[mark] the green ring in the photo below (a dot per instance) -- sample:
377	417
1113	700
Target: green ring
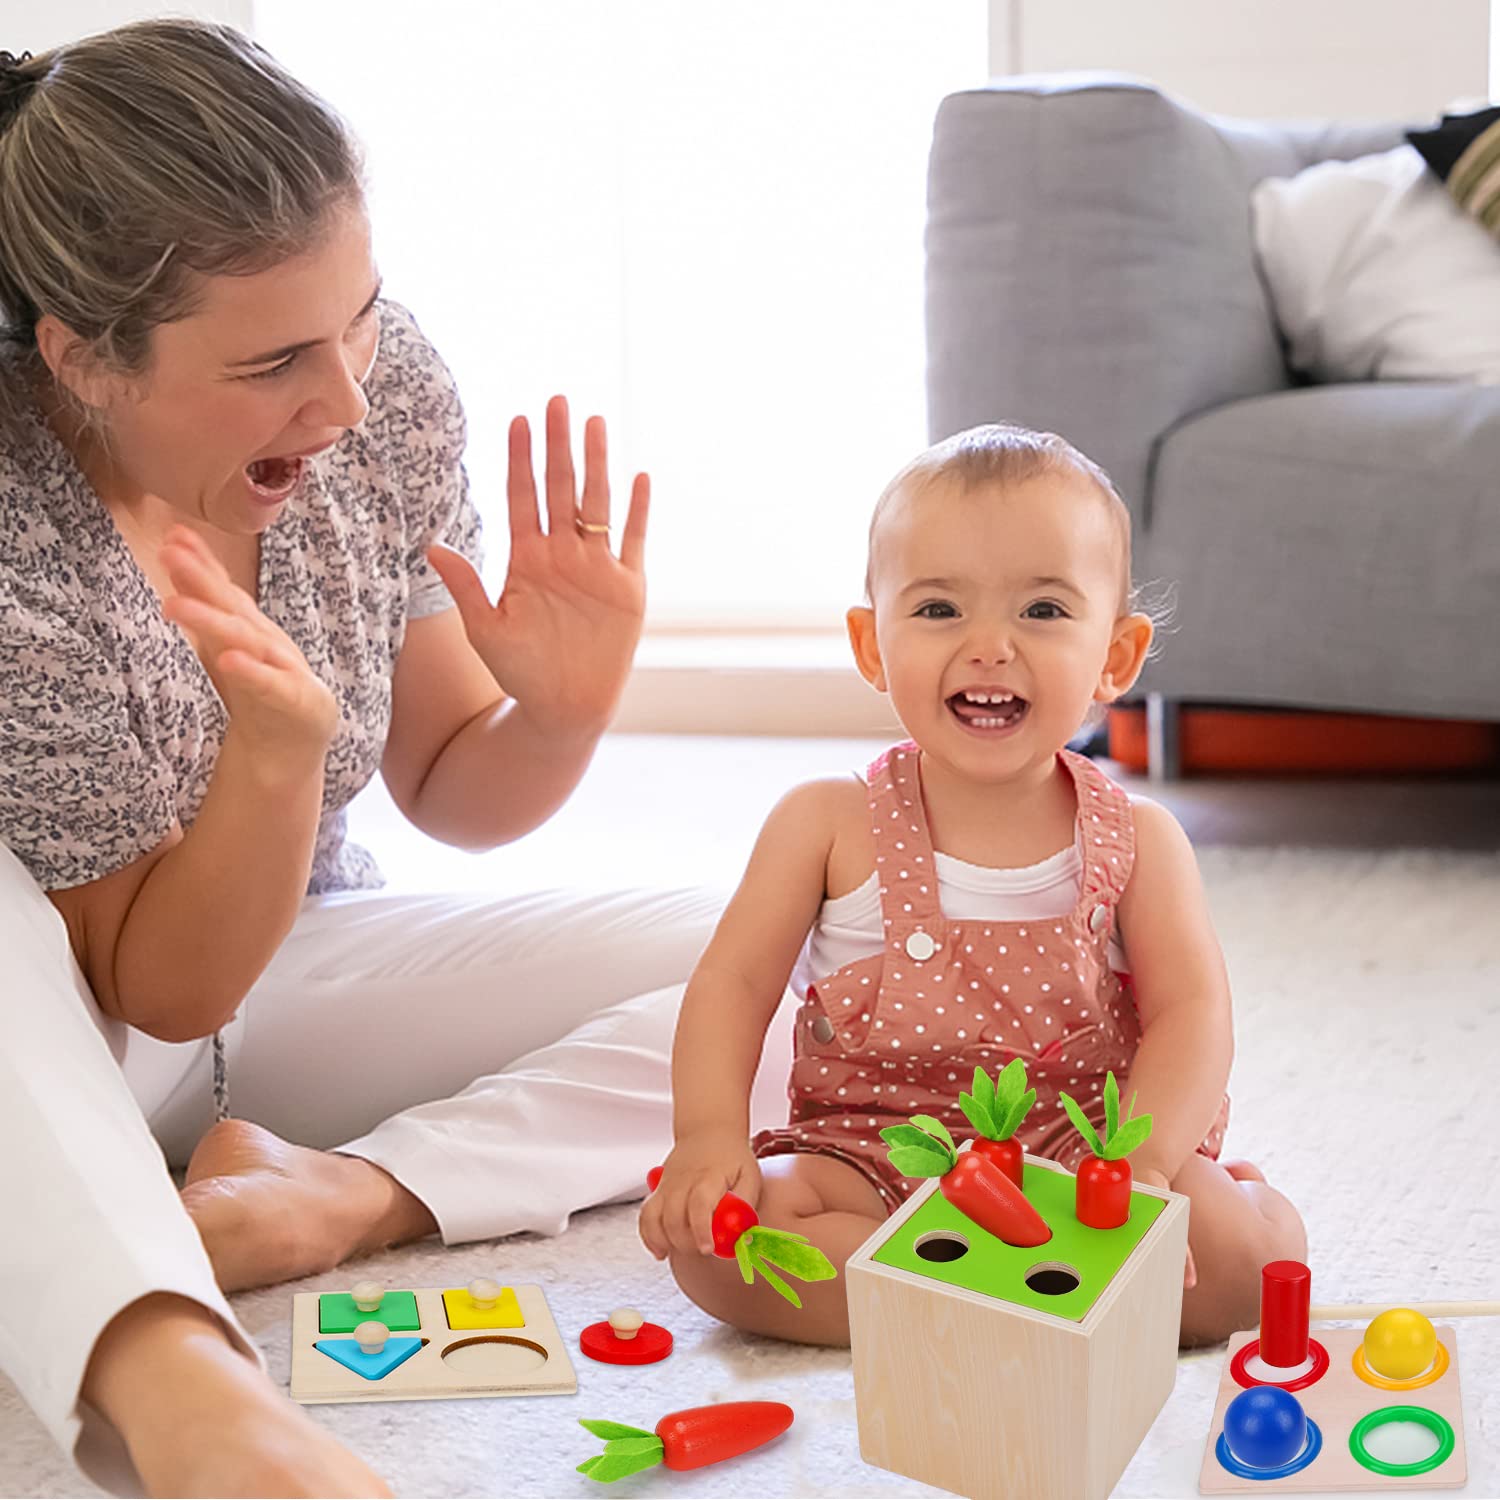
1435	1424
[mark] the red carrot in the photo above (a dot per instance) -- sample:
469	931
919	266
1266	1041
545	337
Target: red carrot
1101	1197
996	1111
739	1235
687	1439
972	1183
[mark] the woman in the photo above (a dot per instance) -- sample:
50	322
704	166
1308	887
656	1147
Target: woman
233	526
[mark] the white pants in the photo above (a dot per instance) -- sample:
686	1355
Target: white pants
365	1033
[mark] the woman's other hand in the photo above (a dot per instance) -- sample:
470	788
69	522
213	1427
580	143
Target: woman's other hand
274	700
697	1174
562	635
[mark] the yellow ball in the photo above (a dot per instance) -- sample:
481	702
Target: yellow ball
1400	1344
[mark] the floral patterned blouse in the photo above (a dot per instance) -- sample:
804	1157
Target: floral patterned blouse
110	727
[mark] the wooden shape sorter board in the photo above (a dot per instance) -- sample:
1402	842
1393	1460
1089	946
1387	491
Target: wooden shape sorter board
1336	1401
504	1359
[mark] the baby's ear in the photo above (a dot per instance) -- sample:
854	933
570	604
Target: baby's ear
861	625
1127	655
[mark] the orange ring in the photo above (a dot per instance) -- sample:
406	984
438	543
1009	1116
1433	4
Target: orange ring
1435	1371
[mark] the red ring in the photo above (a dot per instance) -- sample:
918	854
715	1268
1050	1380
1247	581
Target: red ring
1250	1350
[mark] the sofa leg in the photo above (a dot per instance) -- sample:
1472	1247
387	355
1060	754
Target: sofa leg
1163	751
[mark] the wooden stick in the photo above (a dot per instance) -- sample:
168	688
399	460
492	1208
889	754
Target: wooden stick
1427	1309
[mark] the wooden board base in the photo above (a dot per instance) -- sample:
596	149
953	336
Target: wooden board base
1336	1402
527	1361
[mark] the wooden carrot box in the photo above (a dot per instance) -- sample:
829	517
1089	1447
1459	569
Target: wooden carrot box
995	1370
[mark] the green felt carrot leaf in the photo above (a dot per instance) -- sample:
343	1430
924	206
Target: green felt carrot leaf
935	1127
632	1447
1121	1137
794	1254
978	1113
916	1161
984	1090
1082	1124
775	1282
996	1108
1130	1135
627	1451
761	1247
908	1135
742	1249
609	1430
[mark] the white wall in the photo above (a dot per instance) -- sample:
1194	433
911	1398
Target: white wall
35	26
1340	59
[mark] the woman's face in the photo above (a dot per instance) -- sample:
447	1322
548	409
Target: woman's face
267	371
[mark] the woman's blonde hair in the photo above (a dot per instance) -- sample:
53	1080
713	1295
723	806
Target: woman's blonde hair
139	161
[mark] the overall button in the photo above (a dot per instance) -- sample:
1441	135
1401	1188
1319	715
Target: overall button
920	946
822	1029
1099	918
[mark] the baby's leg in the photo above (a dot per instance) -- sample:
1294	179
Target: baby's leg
830	1202
1238	1223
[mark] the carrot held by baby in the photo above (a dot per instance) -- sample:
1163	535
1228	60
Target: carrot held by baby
739	1235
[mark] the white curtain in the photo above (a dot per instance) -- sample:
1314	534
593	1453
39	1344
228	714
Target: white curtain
701	218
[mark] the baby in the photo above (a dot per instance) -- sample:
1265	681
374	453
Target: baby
982	894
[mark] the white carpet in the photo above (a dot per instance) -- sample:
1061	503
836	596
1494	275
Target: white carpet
1367	991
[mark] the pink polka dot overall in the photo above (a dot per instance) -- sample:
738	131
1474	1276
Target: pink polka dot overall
900	1033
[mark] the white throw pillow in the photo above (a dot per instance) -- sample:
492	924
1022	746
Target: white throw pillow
1375	273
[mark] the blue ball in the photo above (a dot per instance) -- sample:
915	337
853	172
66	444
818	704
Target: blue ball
1265	1427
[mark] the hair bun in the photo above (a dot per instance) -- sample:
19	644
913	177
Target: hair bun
16	84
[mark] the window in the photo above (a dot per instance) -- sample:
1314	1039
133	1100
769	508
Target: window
703	220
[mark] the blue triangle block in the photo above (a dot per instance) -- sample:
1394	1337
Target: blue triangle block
371	1366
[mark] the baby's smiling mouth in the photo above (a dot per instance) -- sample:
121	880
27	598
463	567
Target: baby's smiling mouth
987	710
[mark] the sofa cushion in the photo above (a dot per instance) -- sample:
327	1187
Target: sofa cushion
1375	273
1335	546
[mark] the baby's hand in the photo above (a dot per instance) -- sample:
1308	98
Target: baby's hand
1154	1178
697	1174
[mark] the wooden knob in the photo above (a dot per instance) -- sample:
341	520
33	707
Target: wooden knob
371	1337
367	1295
486	1293
626	1322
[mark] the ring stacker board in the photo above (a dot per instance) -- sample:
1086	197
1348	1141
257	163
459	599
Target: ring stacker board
1305	1414
429	1344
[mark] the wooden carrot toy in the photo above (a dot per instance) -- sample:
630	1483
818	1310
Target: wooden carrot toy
687	1439
739	1235
996	1110
971	1182
1102	1197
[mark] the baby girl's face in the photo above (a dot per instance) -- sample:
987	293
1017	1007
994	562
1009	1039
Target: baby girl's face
996	613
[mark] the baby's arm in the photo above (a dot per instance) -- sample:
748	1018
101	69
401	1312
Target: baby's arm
1182	993
730	999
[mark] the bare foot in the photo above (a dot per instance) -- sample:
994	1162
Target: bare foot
268	1211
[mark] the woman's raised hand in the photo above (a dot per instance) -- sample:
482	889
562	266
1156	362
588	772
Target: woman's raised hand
561	637
274	700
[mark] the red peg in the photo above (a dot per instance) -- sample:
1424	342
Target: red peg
1285	1300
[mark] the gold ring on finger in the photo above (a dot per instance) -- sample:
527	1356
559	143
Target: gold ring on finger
590	528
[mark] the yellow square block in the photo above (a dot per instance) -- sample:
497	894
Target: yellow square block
464	1312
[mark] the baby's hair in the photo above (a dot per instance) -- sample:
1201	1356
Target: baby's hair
1003	453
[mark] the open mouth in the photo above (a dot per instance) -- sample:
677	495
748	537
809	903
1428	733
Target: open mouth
274	478
988	711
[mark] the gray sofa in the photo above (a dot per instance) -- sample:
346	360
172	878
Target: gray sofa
1090	271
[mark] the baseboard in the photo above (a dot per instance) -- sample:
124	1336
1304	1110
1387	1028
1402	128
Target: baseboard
695	698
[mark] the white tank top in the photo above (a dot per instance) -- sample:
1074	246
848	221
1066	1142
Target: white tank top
848	927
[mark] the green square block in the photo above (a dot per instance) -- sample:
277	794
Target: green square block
995	1269
338	1314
